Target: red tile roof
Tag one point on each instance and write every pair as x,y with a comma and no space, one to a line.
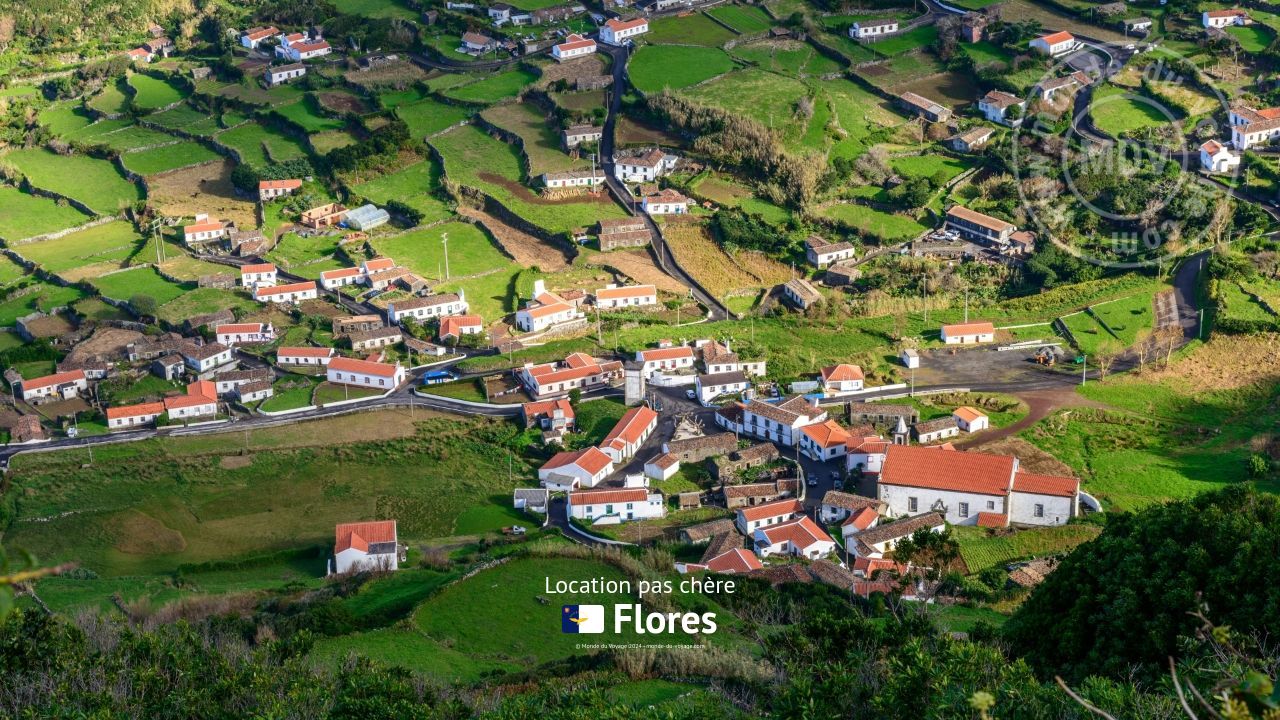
610,495
992,520
379,263
617,25
734,561
978,218
203,227
545,407
364,367
258,268
626,291
593,460
575,42
362,534
773,509
341,273
672,353
304,352
279,184
230,328
801,532
968,414
54,379
1057,37
841,373
453,324
632,425
284,289
139,410
1026,482
861,519
938,469
973,328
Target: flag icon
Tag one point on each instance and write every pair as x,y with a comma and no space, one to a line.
576,619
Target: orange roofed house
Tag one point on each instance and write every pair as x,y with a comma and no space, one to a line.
365,546
610,506
578,371
272,189
636,425
572,470
968,333
969,488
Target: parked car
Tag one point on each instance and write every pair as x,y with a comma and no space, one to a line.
813,481
691,394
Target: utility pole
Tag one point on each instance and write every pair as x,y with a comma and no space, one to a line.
1084,369
1200,326
966,305
444,240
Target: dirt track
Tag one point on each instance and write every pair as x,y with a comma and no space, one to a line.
1041,404
527,250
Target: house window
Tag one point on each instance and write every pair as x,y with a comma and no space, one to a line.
991,504
608,509
1039,512
964,509
630,506
911,504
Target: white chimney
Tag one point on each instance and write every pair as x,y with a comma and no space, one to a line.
539,287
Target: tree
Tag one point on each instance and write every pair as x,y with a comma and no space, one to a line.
930,555
1117,605
143,304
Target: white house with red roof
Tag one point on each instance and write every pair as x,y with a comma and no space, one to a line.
304,356
60,386
545,310
655,360
632,430
254,36
272,189
365,546
734,561
645,167
881,538
334,279
749,519
425,307
256,275
140,54
619,32
1216,157
969,333
1055,43
364,373
299,46
457,326
780,422
842,378
578,371
127,416
574,46
614,297
838,506
1224,18
800,537
555,414
969,488
205,230
571,470
971,419
662,466
201,400
824,441
244,333
609,506
665,202
864,452
291,293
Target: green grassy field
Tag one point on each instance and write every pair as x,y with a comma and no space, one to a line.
689,30
1128,317
392,99
260,145
745,19
929,165
540,137
295,252
167,157
915,39
773,104
201,301
152,93
875,223
470,250
493,88
415,185
725,191
65,118
108,245
96,183
23,215
143,280
859,114
187,118
982,549
45,299
790,57
1252,38
306,115
430,116
378,9
325,142
655,67
131,137
1117,113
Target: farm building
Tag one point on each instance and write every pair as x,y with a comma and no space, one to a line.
348,371
366,217
968,333
365,547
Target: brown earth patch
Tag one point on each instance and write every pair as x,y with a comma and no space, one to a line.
103,341
639,266
235,462
49,326
137,533
526,249
342,103
1030,457
203,188
1226,362
398,75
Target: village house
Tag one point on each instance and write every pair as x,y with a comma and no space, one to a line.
708,387
322,216
1251,127
304,356
298,47
254,391
873,29
1224,18
549,415
572,470
280,74
576,135
801,293
355,323
474,43
934,430
623,232
969,488
750,519
756,494
574,46
226,383
169,367
780,422
611,506
731,562
383,279
364,373
880,413
200,401
910,358
821,253
140,55
875,541
997,107
421,308
665,202
924,107
619,32
1137,25
244,333
718,357
258,275
865,450
968,333
534,500
971,419
254,36
800,537
205,230
1216,157
579,371
1048,89
842,378
1055,43
545,310
977,226
614,297
661,359
366,547
572,179
645,167
201,359
662,466
375,338
58,386
629,434
455,327
971,140
334,279
128,416
291,293
841,276
824,441
701,447
839,506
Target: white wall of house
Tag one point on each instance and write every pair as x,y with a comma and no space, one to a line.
1032,509
961,508
868,462
356,560
653,507
380,382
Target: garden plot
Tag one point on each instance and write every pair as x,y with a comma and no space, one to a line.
746,19
416,185
789,57
883,226
428,117
672,67
949,88
306,115
540,139
989,56
130,137
259,145
201,301
307,256
1119,112
326,142
201,189
167,157
722,274
45,298
187,119
582,102
84,253
111,100
96,183
151,93
24,216
474,159
697,29
471,252
493,88
724,191
142,280
772,100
